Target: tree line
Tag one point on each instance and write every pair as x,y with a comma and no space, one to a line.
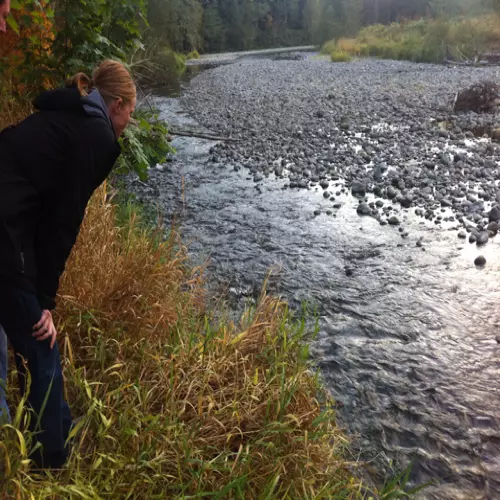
220,25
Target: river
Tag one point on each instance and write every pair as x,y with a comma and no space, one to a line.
408,335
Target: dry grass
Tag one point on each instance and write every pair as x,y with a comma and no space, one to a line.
11,110
424,40
174,403
127,277
350,46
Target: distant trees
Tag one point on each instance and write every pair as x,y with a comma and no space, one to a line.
218,25
177,23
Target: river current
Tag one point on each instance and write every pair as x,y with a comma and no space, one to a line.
408,335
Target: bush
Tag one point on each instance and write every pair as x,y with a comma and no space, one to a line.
144,144
349,45
340,56
157,65
329,47
423,40
193,55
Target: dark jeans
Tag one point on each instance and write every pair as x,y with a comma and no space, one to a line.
19,311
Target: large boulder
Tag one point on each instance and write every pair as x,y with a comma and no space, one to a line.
494,215
481,97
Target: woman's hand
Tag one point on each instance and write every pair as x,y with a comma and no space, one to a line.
45,329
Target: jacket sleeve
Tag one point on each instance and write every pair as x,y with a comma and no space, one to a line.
63,212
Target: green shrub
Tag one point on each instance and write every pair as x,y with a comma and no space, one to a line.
180,62
193,55
423,40
340,56
158,65
329,47
144,144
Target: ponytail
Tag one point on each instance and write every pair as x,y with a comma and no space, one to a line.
82,82
111,78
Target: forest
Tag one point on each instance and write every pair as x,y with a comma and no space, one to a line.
221,25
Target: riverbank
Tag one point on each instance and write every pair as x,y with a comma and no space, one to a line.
231,57
407,337
173,398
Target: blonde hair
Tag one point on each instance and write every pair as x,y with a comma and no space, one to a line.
111,78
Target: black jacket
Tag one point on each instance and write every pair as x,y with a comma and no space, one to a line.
50,164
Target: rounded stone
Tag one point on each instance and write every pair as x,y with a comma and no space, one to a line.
364,209
483,238
480,261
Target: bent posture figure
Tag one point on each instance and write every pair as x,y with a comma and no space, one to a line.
50,164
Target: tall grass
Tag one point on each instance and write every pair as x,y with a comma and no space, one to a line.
424,40
175,404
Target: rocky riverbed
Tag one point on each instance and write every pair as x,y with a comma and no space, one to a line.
409,326
380,129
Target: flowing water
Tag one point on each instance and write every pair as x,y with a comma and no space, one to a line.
408,334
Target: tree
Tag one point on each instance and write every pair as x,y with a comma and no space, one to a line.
177,23
214,31
88,31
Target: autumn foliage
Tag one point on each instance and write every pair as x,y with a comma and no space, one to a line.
26,46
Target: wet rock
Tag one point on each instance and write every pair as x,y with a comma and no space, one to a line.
344,124
364,209
462,235
494,215
393,221
391,193
406,201
480,261
493,228
473,238
358,188
482,238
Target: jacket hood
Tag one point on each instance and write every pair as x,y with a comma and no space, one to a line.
69,100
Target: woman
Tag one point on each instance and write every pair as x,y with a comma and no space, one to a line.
50,164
